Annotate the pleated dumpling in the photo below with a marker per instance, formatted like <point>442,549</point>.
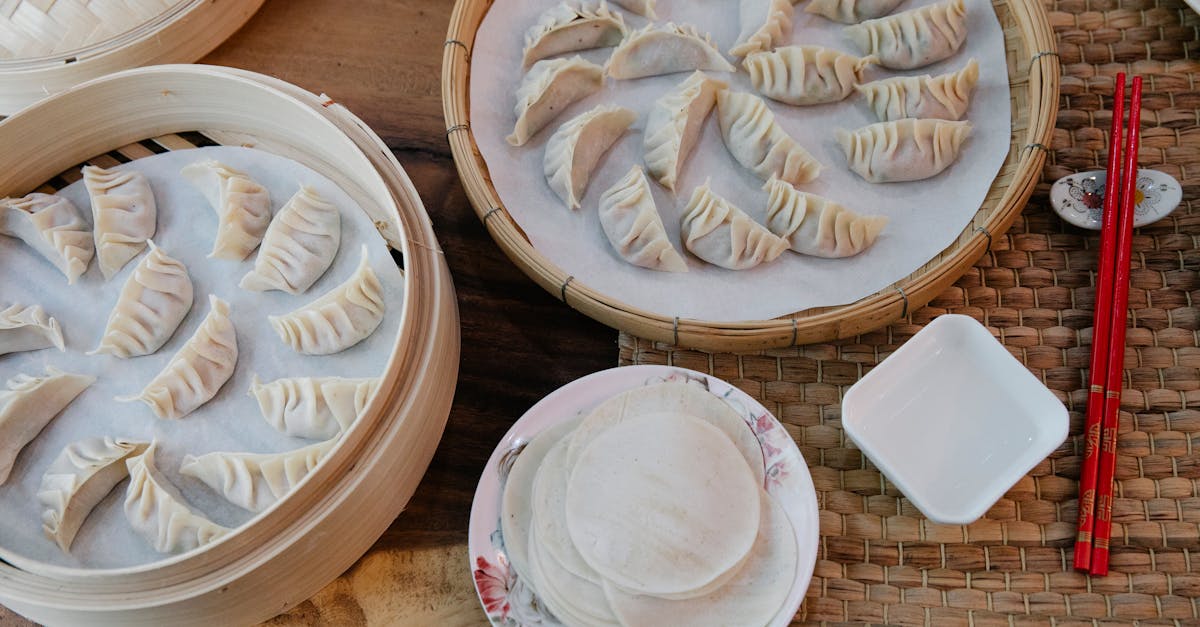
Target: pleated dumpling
<point>576,147</point>
<point>28,329</point>
<point>77,480</point>
<point>674,125</point>
<point>156,512</point>
<point>571,26</point>
<point>805,75</point>
<point>343,317</point>
<point>904,150</point>
<point>665,49</point>
<point>757,141</point>
<point>154,300</point>
<point>723,235</point>
<point>28,405</point>
<point>316,408</point>
<point>644,8</point>
<point>852,11</point>
<point>913,38</point>
<point>124,215</point>
<point>548,89</point>
<point>299,245</point>
<point>765,24</point>
<point>243,207</point>
<point>53,227</point>
<point>197,371</point>
<point>255,481</point>
<point>635,230</point>
<point>817,226</point>
<point>944,97</point>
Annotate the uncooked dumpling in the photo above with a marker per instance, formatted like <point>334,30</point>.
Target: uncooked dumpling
<point>913,38</point>
<point>299,245</point>
<point>945,96</point>
<point>631,222</point>
<point>805,75</point>
<point>759,143</point>
<point>641,7</point>
<point>124,215</point>
<point>852,11</point>
<point>255,481</point>
<point>197,371</point>
<point>28,405</point>
<point>28,329</point>
<point>573,26</point>
<point>154,300</point>
<point>316,408</point>
<point>243,207</point>
<point>817,226</point>
<point>723,235</point>
<point>77,480</point>
<point>665,49</point>
<point>765,24</point>
<point>52,226</point>
<point>548,89</point>
<point>155,510</point>
<point>674,126</point>
<point>904,150</point>
<point>343,317</point>
<point>576,147</point>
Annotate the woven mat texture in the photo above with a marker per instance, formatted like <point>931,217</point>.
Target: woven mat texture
<point>880,561</point>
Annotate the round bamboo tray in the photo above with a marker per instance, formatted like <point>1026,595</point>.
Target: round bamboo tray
<point>285,556</point>
<point>1033,82</point>
<point>46,47</point>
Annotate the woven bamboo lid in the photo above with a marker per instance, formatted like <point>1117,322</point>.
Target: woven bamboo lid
<point>47,46</point>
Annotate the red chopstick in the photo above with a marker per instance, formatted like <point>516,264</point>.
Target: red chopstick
<point>1101,328</point>
<point>1116,349</point>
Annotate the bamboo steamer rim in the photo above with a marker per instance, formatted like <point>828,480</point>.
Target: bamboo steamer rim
<point>399,430</point>
<point>183,33</point>
<point>1033,67</point>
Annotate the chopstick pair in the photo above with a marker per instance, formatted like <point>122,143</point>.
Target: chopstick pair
<point>1108,338</point>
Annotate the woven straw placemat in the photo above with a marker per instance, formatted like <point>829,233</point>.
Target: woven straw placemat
<point>880,561</point>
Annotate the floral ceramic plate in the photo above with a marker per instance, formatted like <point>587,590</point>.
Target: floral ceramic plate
<point>507,599</point>
<point>1079,198</point>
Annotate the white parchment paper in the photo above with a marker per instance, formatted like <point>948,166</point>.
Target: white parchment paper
<point>229,422</point>
<point>926,216</point>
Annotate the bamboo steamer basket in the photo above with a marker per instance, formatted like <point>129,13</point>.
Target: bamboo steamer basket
<point>1033,86</point>
<point>47,46</point>
<point>285,556</point>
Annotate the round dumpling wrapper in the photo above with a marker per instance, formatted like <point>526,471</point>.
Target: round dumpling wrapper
<point>571,598</point>
<point>662,504</point>
<point>548,515</point>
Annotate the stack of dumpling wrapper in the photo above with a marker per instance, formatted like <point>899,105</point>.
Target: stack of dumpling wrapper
<point>650,510</point>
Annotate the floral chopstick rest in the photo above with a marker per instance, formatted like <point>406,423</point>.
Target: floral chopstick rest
<point>1079,198</point>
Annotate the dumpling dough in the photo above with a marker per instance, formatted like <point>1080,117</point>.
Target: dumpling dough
<point>631,222</point>
<point>77,480</point>
<point>805,75</point>
<point>28,329</point>
<point>155,510</point>
<point>665,49</point>
<point>548,89</point>
<point>573,26</point>
<point>243,207</point>
<point>759,143</point>
<point>197,371</point>
<point>723,235</point>
<point>123,213</point>
<point>29,404</point>
<point>316,408</point>
<point>945,96</point>
<point>674,126</point>
<point>299,245</point>
<point>641,7</point>
<point>904,150</point>
<point>817,226</point>
<point>576,147</point>
<point>255,481</point>
<point>52,226</point>
<point>913,38</point>
<point>765,24</point>
<point>343,317</point>
<point>852,11</point>
<point>154,300</point>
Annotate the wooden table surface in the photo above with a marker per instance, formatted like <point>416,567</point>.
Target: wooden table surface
<point>382,59</point>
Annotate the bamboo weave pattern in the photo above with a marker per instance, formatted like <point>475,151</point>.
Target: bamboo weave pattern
<point>37,28</point>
